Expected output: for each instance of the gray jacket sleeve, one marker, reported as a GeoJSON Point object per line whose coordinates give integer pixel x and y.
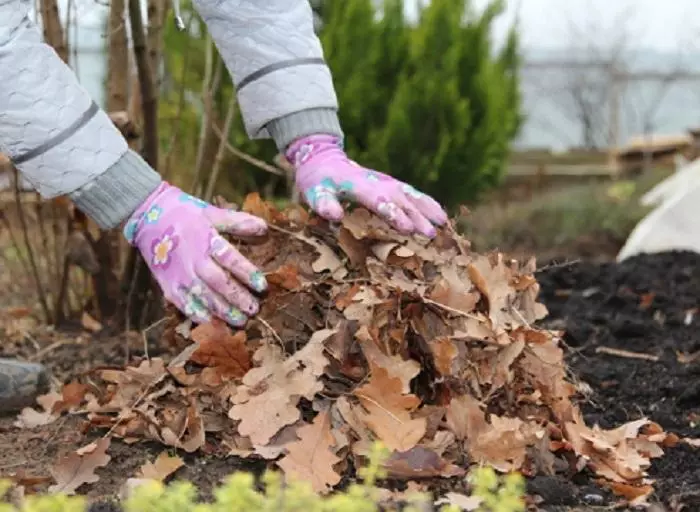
{"type": "Point", "coordinates": [49, 126]}
{"type": "Point", "coordinates": [53, 132]}
{"type": "Point", "coordinates": [285, 89]}
{"type": "Point", "coordinates": [62, 143]}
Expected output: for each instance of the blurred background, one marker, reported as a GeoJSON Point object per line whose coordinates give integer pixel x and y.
{"type": "Point", "coordinates": [548, 120]}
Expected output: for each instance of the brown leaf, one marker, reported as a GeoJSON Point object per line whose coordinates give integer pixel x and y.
{"type": "Point", "coordinates": [465, 417]}
{"type": "Point", "coordinates": [444, 353]}
{"type": "Point", "coordinates": [405, 370]}
{"type": "Point", "coordinates": [454, 290]}
{"type": "Point", "coordinates": [286, 276]}
{"type": "Point", "coordinates": [72, 396]}
{"type": "Point", "coordinates": [420, 462]}
{"type": "Point", "coordinates": [79, 467]}
{"type": "Point", "coordinates": [267, 400]}
{"type": "Point", "coordinates": [31, 418]}
{"type": "Point", "coordinates": [463, 502]}
{"type": "Point", "coordinates": [222, 350]}
{"type": "Point", "coordinates": [388, 411]}
{"type": "Point", "coordinates": [636, 495]}
{"type": "Point", "coordinates": [493, 281]}
{"type": "Point", "coordinates": [164, 466]}
{"type": "Point", "coordinates": [254, 205]}
{"type": "Point", "coordinates": [312, 458]}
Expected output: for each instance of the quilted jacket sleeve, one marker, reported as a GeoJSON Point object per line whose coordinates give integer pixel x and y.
{"type": "Point", "coordinates": [277, 64]}
{"type": "Point", "coordinates": [49, 126]}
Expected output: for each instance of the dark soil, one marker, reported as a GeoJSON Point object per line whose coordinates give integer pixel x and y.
{"type": "Point", "coordinates": [648, 304]}
{"type": "Point", "coordinates": [644, 305]}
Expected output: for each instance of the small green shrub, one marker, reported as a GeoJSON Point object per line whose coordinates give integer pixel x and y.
{"type": "Point", "coordinates": [239, 493]}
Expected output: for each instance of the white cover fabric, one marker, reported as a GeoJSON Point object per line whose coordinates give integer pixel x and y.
{"type": "Point", "coordinates": [269, 46]}
{"type": "Point", "coordinates": [673, 224]}
{"type": "Point", "coordinates": [683, 178]}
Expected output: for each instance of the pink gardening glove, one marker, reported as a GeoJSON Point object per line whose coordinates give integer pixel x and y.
{"type": "Point", "coordinates": [325, 174]}
{"type": "Point", "coordinates": [198, 270]}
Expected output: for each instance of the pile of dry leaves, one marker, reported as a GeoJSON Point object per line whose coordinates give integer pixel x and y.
{"type": "Point", "coordinates": [369, 335]}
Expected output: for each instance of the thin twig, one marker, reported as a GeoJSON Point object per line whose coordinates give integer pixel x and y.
{"type": "Point", "coordinates": [223, 139]}
{"type": "Point", "coordinates": [30, 252]}
{"type": "Point", "coordinates": [47, 350]}
{"type": "Point", "coordinates": [145, 339]}
{"type": "Point", "coordinates": [626, 354]}
{"type": "Point", "coordinates": [557, 265]}
{"type": "Point", "coordinates": [204, 124]}
{"type": "Point", "coordinates": [248, 158]}
{"type": "Point", "coordinates": [269, 328]}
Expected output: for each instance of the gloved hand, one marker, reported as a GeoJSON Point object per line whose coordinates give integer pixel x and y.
{"type": "Point", "coordinates": [325, 174]}
{"type": "Point", "coordinates": [198, 270]}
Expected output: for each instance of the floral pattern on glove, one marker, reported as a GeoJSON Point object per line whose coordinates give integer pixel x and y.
{"type": "Point", "coordinates": [325, 175]}
{"type": "Point", "coordinates": [200, 272]}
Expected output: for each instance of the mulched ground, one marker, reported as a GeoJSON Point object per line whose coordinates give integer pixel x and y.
{"type": "Point", "coordinates": [646, 305]}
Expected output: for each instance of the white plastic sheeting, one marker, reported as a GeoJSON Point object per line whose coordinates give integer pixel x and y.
{"type": "Point", "coordinates": [674, 224]}
{"type": "Point", "coordinates": [683, 178]}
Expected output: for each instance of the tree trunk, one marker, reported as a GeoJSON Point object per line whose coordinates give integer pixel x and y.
{"type": "Point", "coordinates": [157, 12]}
{"type": "Point", "coordinates": [53, 30]}
{"type": "Point", "coordinates": [118, 59]}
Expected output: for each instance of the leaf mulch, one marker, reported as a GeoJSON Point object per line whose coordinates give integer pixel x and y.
{"type": "Point", "coordinates": [442, 354]}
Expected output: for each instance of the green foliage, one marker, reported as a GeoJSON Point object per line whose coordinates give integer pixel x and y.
{"type": "Point", "coordinates": [456, 107]}
{"type": "Point", "coordinates": [432, 103]}
{"type": "Point", "coordinates": [239, 493]}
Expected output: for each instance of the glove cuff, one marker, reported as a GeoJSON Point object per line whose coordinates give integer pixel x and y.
{"type": "Point", "coordinates": [287, 129]}
{"type": "Point", "coordinates": [114, 195]}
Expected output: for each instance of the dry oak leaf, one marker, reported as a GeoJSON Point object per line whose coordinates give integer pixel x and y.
{"type": "Point", "coordinates": [420, 462]}
{"type": "Point", "coordinates": [222, 350]}
{"type": "Point", "coordinates": [492, 279]}
{"type": "Point", "coordinates": [503, 445]}
{"type": "Point", "coordinates": [311, 458]}
{"type": "Point", "coordinates": [267, 399]}
{"type": "Point", "coordinates": [464, 502]}
{"type": "Point", "coordinates": [387, 410]}
{"type": "Point", "coordinates": [164, 466]}
{"type": "Point", "coordinates": [635, 495]}
{"type": "Point", "coordinates": [190, 436]}
{"type": "Point", "coordinates": [398, 368]}
{"type": "Point", "coordinates": [444, 353]}
{"type": "Point", "coordinates": [79, 467]}
{"type": "Point", "coordinates": [454, 290]}
{"type": "Point", "coordinates": [610, 453]}
{"type": "Point", "coordinates": [286, 276]}
{"type": "Point", "coordinates": [31, 418]}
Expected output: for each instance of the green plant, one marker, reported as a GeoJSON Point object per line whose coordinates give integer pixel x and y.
{"type": "Point", "coordinates": [239, 493]}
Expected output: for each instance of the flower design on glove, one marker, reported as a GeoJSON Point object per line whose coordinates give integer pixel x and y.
{"type": "Point", "coordinates": [257, 279]}
{"type": "Point", "coordinates": [235, 316]}
{"type": "Point", "coordinates": [372, 176]}
{"type": "Point", "coordinates": [153, 214]}
{"type": "Point", "coordinates": [412, 192]}
{"type": "Point", "coordinates": [303, 154]}
{"type": "Point", "coordinates": [388, 210]}
{"type": "Point", "coordinates": [324, 190]}
{"type": "Point", "coordinates": [187, 198]}
{"type": "Point", "coordinates": [217, 245]}
{"type": "Point", "coordinates": [162, 247]}
{"type": "Point", "coordinates": [130, 230]}
{"type": "Point", "coordinates": [195, 307]}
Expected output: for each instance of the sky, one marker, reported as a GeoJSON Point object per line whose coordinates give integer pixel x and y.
{"type": "Point", "coordinates": [661, 25]}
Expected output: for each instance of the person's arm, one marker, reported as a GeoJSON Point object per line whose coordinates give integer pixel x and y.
{"type": "Point", "coordinates": [284, 87]}
{"type": "Point", "coordinates": [54, 133]}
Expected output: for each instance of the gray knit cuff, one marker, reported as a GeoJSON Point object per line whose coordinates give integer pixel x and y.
{"type": "Point", "coordinates": [289, 128]}
{"type": "Point", "coordinates": [110, 198]}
